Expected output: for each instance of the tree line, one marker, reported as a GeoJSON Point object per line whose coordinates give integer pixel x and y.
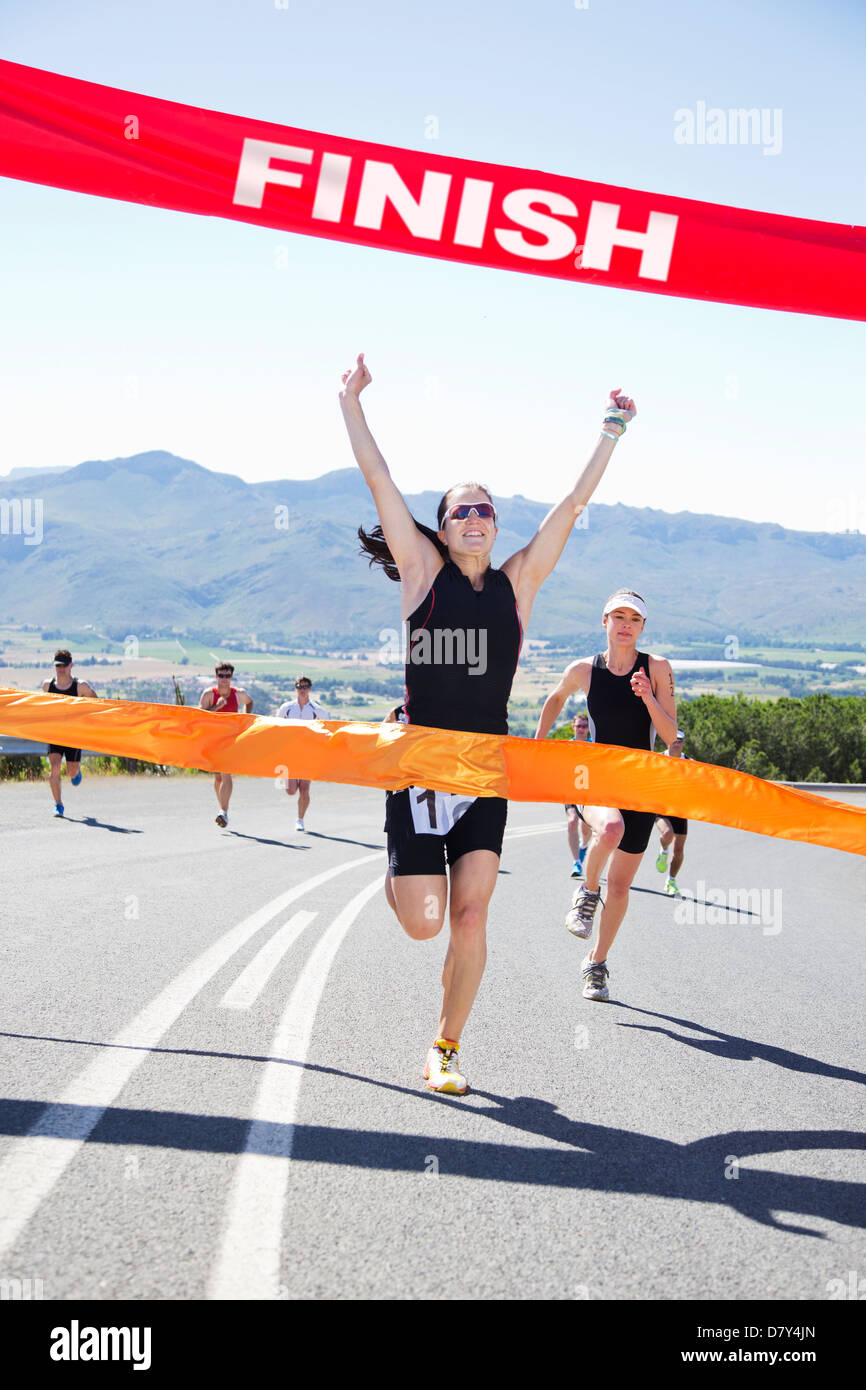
{"type": "Point", "coordinates": [818, 738]}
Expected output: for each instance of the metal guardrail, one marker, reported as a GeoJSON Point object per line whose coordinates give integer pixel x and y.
{"type": "Point", "coordinates": [825, 786]}
{"type": "Point", "coordinates": [24, 747]}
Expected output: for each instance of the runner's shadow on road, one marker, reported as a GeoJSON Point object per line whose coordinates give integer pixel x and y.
{"type": "Point", "coordinates": [733, 914]}
{"type": "Point", "coordinates": [262, 840]}
{"type": "Point", "coordinates": [102, 825]}
{"type": "Point", "coordinates": [736, 1049]}
{"type": "Point", "coordinates": [591, 1157]}
{"type": "Point", "coordinates": [341, 840]}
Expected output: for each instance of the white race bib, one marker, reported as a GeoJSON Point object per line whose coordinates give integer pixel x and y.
{"type": "Point", "coordinates": [435, 813]}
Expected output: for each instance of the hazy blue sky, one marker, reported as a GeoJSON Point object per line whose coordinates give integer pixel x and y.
{"type": "Point", "coordinates": [129, 328]}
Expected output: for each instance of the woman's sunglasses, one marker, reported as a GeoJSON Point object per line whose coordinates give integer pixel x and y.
{"type": "Point", "coordinates": [485, 511]}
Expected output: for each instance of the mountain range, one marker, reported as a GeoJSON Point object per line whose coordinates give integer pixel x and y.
{"type": "Point", "coordinates": [158, 544]}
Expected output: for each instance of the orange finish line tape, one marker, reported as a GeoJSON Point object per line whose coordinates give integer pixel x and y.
{"type": "Point", "coordinates": [393, 756]}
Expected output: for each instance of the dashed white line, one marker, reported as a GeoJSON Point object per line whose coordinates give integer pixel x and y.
{"type": "Point", "coordinates": [248, 1265]}
{"type": "Point", "coordinates": [251, 981]}
{"type": "Point", "coordinates": [39, 1159]}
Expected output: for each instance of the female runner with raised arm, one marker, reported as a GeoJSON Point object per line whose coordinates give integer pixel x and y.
{"type": "Point", "coordinates": [466, 622]}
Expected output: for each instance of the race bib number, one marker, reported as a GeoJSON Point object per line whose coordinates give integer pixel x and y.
{"type": "Point", "coordinates": [435, 813]}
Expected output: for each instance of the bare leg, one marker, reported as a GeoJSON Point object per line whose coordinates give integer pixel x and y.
{"type": "Point", "coordinates": [473, 879]}
{"type": "Point", "coordinates": [54, 762]}
{"type": "Point", "coordinates": [223, 787]}
{"type": "Point", "coordinates": [623, 867]}
{"type": "Point", "coordinates": [607, 828]}
{"type": "Point", "coordinates": [419, 901]}
{"type": "Point", "coordinates": [303, 799]}
{"type": "Point", "coordinates": [678, 855]}
{"type": "Point", "coordinates": [666, 833]}
{"type": "Point", "coordinates": [574, 837]}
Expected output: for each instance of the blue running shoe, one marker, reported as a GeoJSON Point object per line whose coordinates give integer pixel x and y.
{"type": "Point", "coordinates": [58, 809]}
{"type": "Point", "coordinates": [577, 869]}
{"type": "Point", "coordinates": [76, 779]}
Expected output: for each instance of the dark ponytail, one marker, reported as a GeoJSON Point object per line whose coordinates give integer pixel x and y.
{"type": "Point", "coordinates": [373, 543]}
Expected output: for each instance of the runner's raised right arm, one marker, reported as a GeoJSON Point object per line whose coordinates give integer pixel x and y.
{"type": "Point", "coordinates": [414, 555]}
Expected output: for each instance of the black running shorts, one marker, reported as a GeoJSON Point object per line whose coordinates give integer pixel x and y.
{"type": "Point", "coordinates": [677, 823]}
{"type": "Point", "coordinates": [481, 827]}
{"type": "Point", "coordinates": [72, 755]}
{"type": "Point", "coordinates": [637, 832]}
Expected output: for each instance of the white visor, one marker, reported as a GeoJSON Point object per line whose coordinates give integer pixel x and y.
{"type": "Point", "coordinates": [624, 600]}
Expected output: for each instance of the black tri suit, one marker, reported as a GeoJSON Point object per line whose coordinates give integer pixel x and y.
{"type": "Point", "coordinates": [618, 716]}
{"type": "Point", "coordinates": [72, 755]}
{"type": "Point", "coordinates": [463, 648]}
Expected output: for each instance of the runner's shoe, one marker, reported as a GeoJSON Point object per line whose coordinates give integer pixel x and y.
{"type": "Point", "coordinates": [299, 824]}
{"type": "Point", "coordinates": [662, 861]}
{"type": "Point", "coordinates": [440, 1070]}
{"type": "Point", "coordinates": [671, 889]}
{"type": "Point", "coordinates": [58, 809]}
{"type": "Point", "coordinates": [222, 820]}
{"type": "Point", "coordinates": [581, 855]}
{"type": "Point", "coordinates": [595, 978]}
{"type": "Point", "coordinates": [76, 779]}
{"type": "Point", "coordinates": [583, 904]}
{"type": "Point", "coordinates": [577, 869]}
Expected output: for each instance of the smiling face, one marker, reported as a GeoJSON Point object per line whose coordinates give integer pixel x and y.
{"type": "Point", "coordinates": [472, 535]}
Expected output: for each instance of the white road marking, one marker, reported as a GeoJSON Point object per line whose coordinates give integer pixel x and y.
{"type": "Point", "coordinates": [251, 981]}
{"type": "Point", "coordinates": [522, 832]}
{"type": "Point", "coordinates": [39, 1159]}
{"type": "Point", "coordinates": [248, 1265]}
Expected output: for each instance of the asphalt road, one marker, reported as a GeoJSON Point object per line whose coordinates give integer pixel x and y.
{"type": "Point", "coordinates": [212, 1045]}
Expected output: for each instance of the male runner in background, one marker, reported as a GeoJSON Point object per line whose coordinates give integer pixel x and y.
{"type": "Point", "coordinates": [301, 708]}
{"type": "Point", "coordinates": [629, 699]}
{"type": "Point", "coordinates": [579, 833]}
{"type": "Point", "coordinates": [224, 698]}
{"type": "Point", "coordinates": [673, 830]}
{"type": "Point", "coordinates": [64, 683]}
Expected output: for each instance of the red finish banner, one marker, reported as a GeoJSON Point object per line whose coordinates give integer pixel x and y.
{"type": "Point", "coordinates": [393, 756]}
{"type": "Point", "coordinates": [101, 140]}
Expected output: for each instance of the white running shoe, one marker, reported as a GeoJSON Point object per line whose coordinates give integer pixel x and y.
{"type": "Point", "coordinates": [580, 919]}
{"type": "Point", "coordinates": [441, 1069]}
{"type": "Point", "coordinates": [222, 819]}
{"type": "Point", "coordinates": [299, 824]}
{"type": "Point", "coordinates": [595, 977]}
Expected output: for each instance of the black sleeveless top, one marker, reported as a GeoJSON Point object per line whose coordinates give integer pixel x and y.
{"type": "Point", "coordinates": [73, 689]}
{"type": "Point", "coordinates": [616, 714]}
{"type": "Point", "coordinates": [461, 653]}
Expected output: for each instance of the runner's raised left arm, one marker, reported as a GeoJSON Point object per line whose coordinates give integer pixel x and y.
{"type": "Point", "coordinates": [529, 567]}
